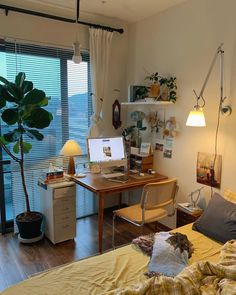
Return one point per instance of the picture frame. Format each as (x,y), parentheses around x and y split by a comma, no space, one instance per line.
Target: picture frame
(209,169)
(137,92)
(145,148)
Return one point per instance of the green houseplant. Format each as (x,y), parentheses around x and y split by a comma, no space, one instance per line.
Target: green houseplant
(22,110)
(170,88)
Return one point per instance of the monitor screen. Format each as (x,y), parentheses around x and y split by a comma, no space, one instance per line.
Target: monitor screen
(106,149)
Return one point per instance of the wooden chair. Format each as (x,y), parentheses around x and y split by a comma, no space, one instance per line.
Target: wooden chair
(152,207)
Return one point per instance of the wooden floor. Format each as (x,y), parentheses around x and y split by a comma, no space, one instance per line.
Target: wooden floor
(19,261)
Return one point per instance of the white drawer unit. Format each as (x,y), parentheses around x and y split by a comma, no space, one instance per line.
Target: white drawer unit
(59,208)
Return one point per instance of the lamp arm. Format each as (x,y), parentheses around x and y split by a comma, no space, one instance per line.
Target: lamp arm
(219,50)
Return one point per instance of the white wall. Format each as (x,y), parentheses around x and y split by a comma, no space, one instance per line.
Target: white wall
(182,41)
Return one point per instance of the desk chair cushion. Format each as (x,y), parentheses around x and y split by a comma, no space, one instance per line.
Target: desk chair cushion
(134,214)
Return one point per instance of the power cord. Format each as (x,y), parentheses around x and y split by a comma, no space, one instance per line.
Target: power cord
(216,142)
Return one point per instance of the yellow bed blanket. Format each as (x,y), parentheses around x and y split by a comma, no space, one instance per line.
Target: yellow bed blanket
(200,278)
(107,273)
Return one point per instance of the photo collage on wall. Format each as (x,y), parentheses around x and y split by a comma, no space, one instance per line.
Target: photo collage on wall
(163,143)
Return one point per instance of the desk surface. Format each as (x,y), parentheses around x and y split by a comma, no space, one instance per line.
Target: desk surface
(97,183)
(102,187)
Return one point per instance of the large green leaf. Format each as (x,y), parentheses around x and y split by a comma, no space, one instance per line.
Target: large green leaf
(12,136)
(10,116)
(20,78)
(4,81)
(26,147)
(16,148)
(34,134)
(6,95)
(34,96)
(44,102)
(27,86)
(14,91)
(3,140)
(2,102)
(39,118)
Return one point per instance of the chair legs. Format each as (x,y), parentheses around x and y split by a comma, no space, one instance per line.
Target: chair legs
(113,231)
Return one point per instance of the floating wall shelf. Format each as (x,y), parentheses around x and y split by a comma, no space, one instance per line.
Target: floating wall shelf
(138,103)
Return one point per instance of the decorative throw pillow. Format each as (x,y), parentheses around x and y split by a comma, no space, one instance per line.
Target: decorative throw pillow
(169,255)
(218,221)
(144,243)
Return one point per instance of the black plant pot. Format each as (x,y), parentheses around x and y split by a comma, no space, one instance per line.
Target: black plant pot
(29,224)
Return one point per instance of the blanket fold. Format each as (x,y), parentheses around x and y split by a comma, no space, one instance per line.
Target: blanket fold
(200,278)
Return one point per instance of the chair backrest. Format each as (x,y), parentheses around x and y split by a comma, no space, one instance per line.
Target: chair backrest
(159,194)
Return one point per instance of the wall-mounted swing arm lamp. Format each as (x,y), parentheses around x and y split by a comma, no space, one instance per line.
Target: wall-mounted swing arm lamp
(196,117)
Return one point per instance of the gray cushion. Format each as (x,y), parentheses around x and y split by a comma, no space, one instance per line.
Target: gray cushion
(218,220)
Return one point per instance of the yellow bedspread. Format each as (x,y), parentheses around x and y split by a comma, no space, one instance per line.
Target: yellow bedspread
(107,272)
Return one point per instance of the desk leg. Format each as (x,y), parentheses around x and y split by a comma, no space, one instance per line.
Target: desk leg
(100,221)
(120,199)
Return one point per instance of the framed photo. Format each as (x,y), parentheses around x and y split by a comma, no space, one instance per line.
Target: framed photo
(137,92)
(209,169)
(145,148)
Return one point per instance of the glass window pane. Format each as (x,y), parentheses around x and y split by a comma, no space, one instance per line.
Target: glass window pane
(78,102)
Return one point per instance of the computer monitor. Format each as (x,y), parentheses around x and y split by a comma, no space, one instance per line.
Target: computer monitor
(107,151)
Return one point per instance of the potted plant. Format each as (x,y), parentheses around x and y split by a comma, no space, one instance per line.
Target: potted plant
(168,89)
(154,88)
(22,110)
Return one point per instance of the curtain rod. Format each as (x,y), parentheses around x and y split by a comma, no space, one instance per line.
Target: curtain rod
(58,18)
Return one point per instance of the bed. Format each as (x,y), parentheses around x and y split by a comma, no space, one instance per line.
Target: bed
(121,271)
(105,273)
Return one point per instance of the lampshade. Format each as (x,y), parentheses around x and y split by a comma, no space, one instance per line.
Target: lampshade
(196,118)
(77,58)
(71,148)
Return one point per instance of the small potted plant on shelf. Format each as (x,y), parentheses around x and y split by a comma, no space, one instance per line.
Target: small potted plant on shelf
(168,89)
(154,88)
(22,110)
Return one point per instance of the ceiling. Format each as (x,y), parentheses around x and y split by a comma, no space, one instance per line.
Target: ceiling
(129,11)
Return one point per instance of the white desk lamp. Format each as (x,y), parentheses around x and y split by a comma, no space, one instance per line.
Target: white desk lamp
(71,148)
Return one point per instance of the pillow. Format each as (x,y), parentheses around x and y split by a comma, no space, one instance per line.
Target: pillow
(169,255)
(230,196)
(218,221)
(144,243)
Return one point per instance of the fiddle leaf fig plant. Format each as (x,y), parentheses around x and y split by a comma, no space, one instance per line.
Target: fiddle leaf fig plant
(22,109)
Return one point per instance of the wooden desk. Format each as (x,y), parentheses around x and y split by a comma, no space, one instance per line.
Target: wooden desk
(102,187)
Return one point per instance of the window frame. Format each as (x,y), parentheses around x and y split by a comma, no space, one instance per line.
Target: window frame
(44,51)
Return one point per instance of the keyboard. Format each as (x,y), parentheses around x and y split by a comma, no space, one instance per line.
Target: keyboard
(113,175)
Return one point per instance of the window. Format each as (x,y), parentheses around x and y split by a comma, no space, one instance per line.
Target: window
(68,85)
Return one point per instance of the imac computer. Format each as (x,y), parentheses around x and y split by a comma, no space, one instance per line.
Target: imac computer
(108,152)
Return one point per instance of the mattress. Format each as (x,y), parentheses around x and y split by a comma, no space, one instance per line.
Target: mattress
(103,273)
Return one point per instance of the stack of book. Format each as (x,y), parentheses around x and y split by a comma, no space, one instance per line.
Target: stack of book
(187,207)
(52,176)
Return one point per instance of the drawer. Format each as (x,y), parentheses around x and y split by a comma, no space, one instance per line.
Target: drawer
(66,218)
(65,232)
(64,205)
(64,192)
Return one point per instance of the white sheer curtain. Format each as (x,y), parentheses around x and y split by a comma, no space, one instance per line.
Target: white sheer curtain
(99,44)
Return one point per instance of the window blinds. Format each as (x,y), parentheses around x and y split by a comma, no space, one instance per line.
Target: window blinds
(68,85)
